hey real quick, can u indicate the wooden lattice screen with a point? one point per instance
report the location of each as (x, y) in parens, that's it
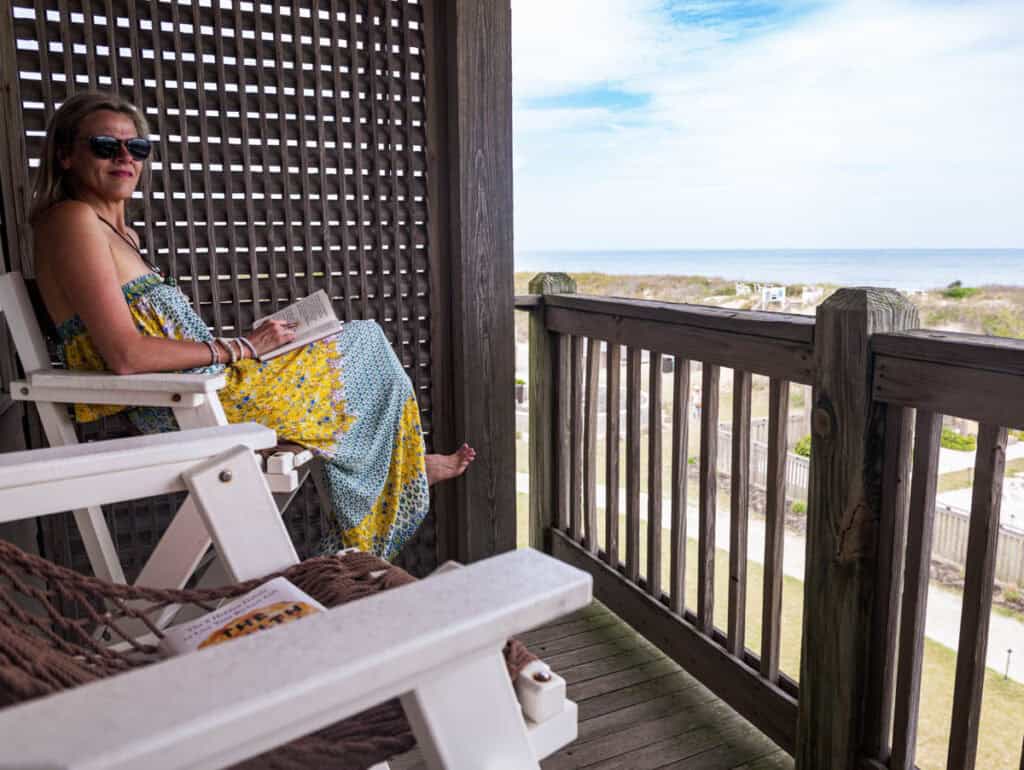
(291, 155)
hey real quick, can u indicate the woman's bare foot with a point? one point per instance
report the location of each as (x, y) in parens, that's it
(444, 467)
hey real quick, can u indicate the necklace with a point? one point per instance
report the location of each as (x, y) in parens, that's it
(130, 242)
(123, 237)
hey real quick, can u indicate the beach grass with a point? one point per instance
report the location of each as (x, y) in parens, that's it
(1002, 708)
(992, 310)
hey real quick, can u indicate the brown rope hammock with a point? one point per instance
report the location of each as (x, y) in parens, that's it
(45, 649)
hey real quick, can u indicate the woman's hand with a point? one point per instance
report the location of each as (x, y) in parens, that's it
(270, 335)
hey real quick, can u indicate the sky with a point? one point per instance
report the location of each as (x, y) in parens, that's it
(672, 124)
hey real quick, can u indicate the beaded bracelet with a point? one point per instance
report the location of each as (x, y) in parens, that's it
(250, 346)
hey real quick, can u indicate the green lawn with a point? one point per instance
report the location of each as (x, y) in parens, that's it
(965, 478)
(1002, 718)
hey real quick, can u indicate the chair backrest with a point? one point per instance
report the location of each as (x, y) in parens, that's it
(30, 345)
(17, 306)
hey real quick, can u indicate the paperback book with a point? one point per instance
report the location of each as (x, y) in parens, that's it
(272, 604)
(314, 317)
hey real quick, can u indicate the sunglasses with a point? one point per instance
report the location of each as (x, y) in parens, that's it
(107, 147)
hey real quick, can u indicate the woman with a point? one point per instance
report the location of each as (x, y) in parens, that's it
(345, 397)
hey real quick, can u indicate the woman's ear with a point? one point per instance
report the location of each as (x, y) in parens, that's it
(63, 159)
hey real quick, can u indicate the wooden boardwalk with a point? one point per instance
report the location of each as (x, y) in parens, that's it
(638, 709)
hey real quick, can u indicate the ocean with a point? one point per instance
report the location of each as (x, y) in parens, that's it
(906, 269)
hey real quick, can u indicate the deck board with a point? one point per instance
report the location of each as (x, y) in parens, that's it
(638, 710)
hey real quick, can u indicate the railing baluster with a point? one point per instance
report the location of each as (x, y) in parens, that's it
(977, 603)
(590, 447)
(738, 511)
(576, 436)
(654, 477)
(563, 432)
(680, 467)
(774, 527)
(547, 435)
(633, 463)
(915, 587)
(708, 495)
(611, 449)
(892, 542)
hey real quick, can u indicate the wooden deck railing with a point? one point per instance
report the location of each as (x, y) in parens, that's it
(922, 376)
(572, 339)
(868, 536)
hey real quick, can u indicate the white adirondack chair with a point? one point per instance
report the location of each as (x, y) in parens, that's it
(436, 643)
(193, 399)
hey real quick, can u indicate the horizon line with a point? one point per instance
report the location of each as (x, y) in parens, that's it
(673, 250)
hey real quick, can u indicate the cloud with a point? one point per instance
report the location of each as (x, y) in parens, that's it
(849, 124)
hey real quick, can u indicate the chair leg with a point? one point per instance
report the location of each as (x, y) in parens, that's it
(99, 545)
(179, 550)
(467, 718)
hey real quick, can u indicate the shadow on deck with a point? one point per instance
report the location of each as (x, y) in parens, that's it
(638, 709)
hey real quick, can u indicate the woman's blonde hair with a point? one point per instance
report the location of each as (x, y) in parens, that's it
(51, 184)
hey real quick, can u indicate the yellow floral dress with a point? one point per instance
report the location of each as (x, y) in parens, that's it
(345, 397)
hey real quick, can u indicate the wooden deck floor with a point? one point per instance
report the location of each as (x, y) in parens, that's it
(638, 709)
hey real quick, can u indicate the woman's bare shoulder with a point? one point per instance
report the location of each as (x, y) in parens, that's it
(66, 214)
(69, 225)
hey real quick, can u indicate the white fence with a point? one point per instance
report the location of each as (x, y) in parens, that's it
(797, 467)
(952, 526)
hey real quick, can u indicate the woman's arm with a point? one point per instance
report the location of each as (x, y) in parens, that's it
(79, 258)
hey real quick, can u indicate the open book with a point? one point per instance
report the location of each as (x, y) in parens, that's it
(315, 318)
(272, 604)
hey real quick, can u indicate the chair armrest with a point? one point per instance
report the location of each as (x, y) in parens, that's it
(221, 705)
(158, 389)
(40, 481)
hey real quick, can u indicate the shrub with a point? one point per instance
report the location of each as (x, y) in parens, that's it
(1004, 322)
(724, 289)
(520, 381)
(803, 446)
(960, 292)
(799, 506)
(1012, 594)
(691, 460)
(953, 440)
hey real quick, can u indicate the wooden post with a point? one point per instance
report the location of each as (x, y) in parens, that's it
(469, 80)
(843, 510)
(543, 372)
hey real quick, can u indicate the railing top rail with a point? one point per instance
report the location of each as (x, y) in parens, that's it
(527, 301)
(782, 326)
(963, 375)
(974, 351)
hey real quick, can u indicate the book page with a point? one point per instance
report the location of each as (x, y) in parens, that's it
(309, 313)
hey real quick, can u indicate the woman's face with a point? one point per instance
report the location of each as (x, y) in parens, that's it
(112, 179)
